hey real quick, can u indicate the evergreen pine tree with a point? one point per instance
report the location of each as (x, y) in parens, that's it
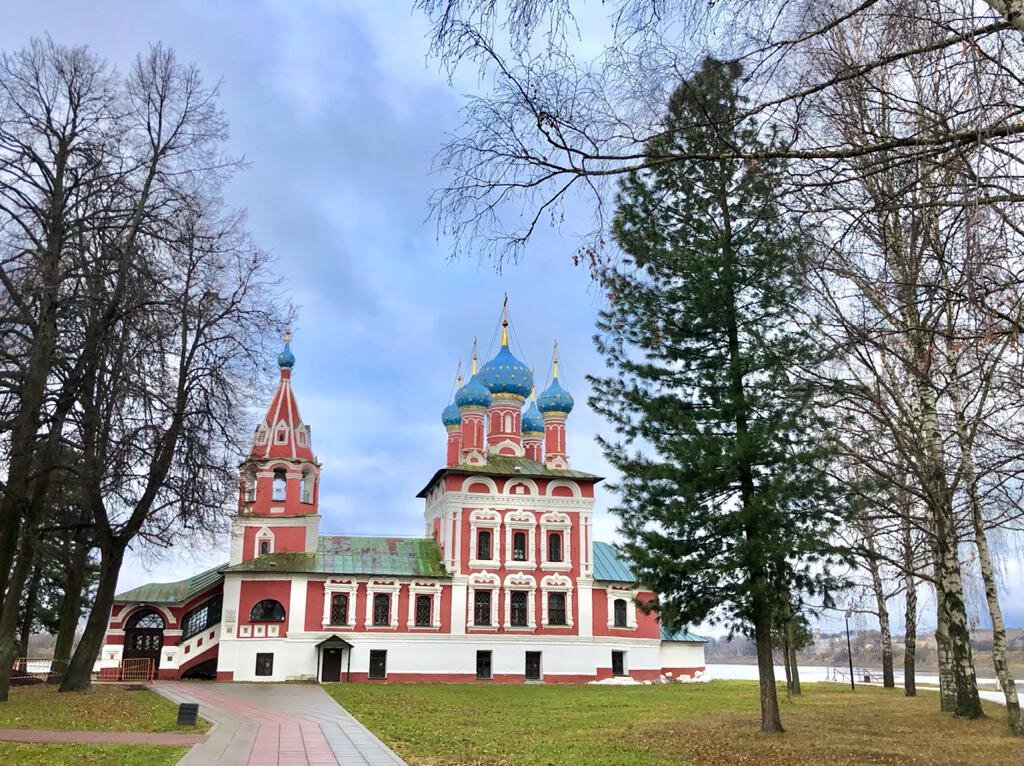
(726, 505)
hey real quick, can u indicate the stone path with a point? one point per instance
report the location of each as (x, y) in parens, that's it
(65, 737)
(279, 724)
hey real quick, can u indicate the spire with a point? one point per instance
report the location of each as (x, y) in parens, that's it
(472, 367)
(504, 322)
(554, 361)
(458, 376)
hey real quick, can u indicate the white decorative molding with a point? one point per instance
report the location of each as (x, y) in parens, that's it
(570, 485)
(556, 583)
(627, 594)
(391, 588)
(347, 587)
(556, 521)
(482, 581)
(521, 581)
(245, 631)
(487, 481)
(425, 588)
(263, 535)
(521, 521)
(484, 519)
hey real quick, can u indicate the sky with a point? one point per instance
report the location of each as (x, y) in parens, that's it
(339, 112)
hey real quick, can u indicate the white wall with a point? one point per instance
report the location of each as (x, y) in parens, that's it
(682, 654)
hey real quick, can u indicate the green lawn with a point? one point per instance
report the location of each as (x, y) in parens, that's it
(90, 755)
(102, 707)
(713, 723)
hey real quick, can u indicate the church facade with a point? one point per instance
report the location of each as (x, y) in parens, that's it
(506, 585)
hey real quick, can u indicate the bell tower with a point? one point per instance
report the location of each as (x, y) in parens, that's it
(279, 482)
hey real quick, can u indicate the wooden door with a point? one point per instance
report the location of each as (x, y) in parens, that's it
(533, 666)
(331, 669)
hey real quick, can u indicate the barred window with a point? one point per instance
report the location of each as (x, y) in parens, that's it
(482, 607)
(339, 609)
(556, 609)
(424, 610)
(519, 609)
(381, 610)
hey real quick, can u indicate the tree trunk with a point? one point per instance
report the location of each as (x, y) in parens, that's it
(70, 609)
(79, 672)
(9, 645)
(910, 616)
(770, 720)
(793, 677)
(947, 684)
(988, 574)
(888, 680)
(28, 614)
(785, 662)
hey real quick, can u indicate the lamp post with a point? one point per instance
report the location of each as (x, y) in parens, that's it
(849, 649)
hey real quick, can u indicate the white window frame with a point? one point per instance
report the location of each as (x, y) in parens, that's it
(482, 581)
(556, 521)
(392, 589)
(556, 583)
(615, 592)
(485, 518)
(521, 521)
(432, 589)
(520, 581)
(264, 534)
(349, 588)
(302, 486)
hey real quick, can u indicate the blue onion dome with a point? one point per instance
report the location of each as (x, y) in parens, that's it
(473, 394)
(555, 399)
(450, 415)
(286, 359)
(505, 374)
(533, 422)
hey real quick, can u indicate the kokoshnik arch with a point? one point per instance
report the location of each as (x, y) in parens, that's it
(506, 585)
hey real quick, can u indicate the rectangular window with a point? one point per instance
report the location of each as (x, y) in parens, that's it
(618, 663)
(264, 663)
(482, 607)
(381, 610)
(483, 665)
(264, 547)
(424, 611)
(378, 663)
(519, 546)
(555, 546)
(483, 545)
(556, 609)
(620, 613)
(519, 609)
(533, 666)
(339, 609)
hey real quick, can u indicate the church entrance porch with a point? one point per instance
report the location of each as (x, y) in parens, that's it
(333, 655)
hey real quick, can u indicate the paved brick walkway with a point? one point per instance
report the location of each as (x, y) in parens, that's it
(279, 724)
(65, 737)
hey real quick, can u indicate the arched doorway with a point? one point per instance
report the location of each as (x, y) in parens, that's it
(144, 637)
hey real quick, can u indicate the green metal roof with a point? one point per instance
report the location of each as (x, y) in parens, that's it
(609, 565)
(506, 465)
(343, 554)
(173, 592)
(681, 635)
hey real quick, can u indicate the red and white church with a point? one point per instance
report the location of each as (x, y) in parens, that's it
(507, 584)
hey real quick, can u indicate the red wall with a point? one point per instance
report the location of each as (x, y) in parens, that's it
(286, 539)
(646, 624)
(253, 591)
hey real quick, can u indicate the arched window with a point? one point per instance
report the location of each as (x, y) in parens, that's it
(339, 609)
(508, 422)
(424, 610)
(307, 486)
(620, 613)
(519, 615)
(267, 610)
(482, 607)
(381, 610)
(555, 546)
(280, 482)
(556, 609)
(519, 546)
(483, 545)
(147, 618)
